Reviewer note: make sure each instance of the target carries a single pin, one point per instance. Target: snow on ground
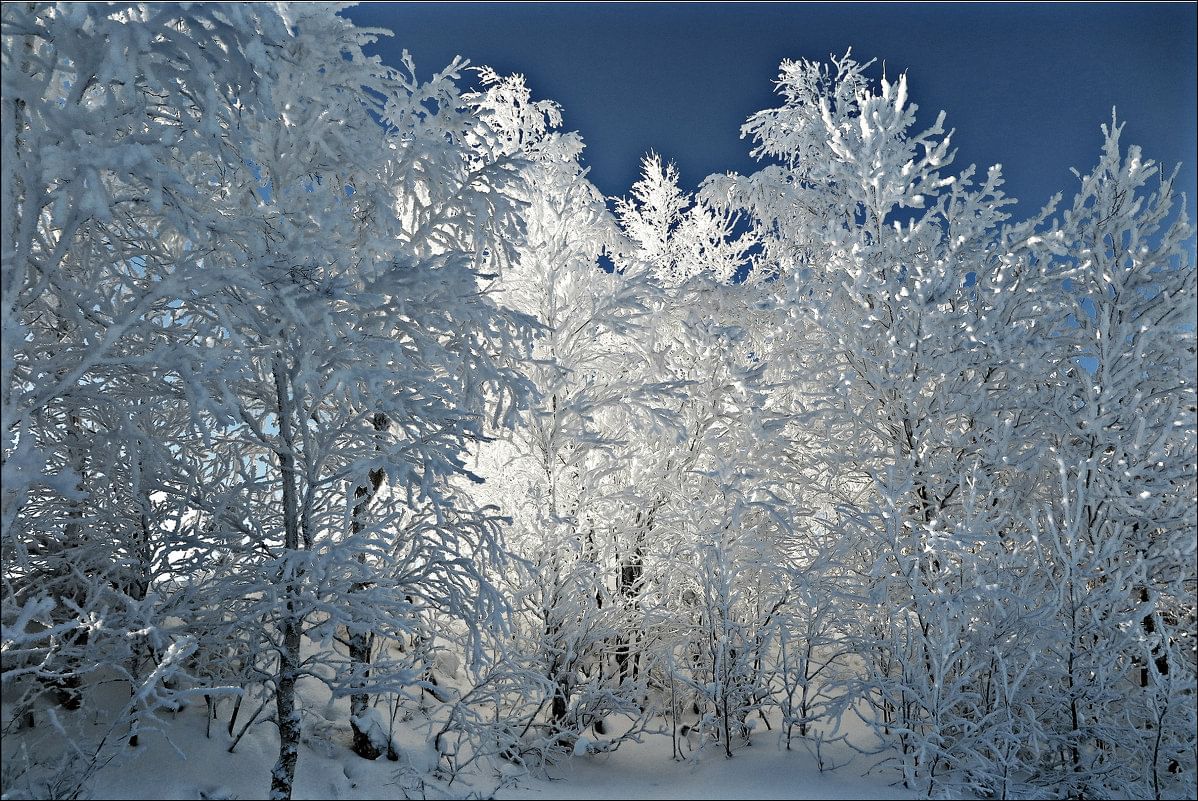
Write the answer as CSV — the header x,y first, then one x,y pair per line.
x,y
202,768
648,771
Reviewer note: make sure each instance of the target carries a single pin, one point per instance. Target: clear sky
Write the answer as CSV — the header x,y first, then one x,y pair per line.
x,y
1025,85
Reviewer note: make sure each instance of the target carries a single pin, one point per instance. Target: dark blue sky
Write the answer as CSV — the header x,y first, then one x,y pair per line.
x,y
1024,85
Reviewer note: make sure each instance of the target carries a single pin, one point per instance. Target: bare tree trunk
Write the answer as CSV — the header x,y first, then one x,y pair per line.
x,y
283,775
631,581
361,643
360,646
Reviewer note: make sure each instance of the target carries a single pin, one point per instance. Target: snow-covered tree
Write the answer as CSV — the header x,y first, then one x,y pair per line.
x,y
1121,527
552,472
117,121
318,380
937,346
305,281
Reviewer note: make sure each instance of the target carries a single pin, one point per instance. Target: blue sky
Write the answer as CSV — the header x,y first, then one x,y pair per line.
x,y
1025,85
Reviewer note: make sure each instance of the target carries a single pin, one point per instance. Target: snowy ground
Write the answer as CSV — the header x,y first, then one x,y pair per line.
x,y
647,771
328,769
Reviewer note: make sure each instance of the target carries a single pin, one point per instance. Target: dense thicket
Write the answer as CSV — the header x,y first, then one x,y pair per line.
x,y
315,374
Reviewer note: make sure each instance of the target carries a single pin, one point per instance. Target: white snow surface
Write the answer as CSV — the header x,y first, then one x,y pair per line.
x,y
192,766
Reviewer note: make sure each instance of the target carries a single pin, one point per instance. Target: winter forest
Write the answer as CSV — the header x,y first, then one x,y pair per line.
x,y
350,432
